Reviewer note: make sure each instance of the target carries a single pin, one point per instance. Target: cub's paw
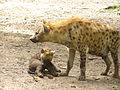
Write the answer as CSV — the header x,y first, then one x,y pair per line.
x,y
103,74
49,76
30,72
40,75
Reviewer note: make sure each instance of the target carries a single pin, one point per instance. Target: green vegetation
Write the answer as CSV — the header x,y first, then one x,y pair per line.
x,y
113,7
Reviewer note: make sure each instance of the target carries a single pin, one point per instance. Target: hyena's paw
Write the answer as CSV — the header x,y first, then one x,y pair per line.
x,y
116,76
49,76
103,74
63,74
81,78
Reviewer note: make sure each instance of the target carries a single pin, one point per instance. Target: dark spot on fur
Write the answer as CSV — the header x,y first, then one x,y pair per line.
x,y
103,33
94,33
80,23
59,27
91,39
114,32
82,66
88,23
110,36
70,33
98,24
87,28
70,29
77,26
74,27
107,30
78,42
102,43
90,28
107,38
73,37
95,45
87,34
117,38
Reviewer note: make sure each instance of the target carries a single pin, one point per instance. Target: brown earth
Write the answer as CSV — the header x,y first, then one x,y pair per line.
x,y
18,19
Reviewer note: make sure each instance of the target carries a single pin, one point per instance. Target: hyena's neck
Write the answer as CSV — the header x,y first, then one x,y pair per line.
x,y
58,36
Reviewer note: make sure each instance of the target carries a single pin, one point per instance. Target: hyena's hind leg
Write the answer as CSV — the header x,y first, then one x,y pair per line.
x,y
116,64
114,46
114,53
108,64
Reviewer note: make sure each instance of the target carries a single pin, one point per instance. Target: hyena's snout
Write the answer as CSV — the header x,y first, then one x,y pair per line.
x,y
33,39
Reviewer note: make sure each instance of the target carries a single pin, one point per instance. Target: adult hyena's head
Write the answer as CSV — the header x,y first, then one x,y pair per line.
x,y
41,34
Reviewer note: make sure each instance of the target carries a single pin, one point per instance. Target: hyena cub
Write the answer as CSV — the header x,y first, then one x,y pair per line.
x,y
41,62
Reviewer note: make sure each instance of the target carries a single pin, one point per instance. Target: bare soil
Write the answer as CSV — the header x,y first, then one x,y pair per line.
x,y
18,19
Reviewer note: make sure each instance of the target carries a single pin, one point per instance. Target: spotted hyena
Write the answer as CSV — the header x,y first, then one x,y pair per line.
x,y
41,61
82,36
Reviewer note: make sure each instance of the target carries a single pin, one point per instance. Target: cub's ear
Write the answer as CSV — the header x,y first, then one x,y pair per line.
x,y
42,50
46,29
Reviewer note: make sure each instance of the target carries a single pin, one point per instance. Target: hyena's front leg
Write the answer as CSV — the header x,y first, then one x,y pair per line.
x,y
108,64
82,66
69,63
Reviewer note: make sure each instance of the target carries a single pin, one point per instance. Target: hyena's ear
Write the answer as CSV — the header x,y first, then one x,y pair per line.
x,y
43,21
46,29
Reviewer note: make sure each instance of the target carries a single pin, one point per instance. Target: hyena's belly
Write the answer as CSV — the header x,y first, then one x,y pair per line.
x,y
99,50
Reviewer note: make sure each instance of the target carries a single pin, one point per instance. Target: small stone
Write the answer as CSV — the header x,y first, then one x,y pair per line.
x,y
97,78
92,58
118,13
72,86
114,86
28,51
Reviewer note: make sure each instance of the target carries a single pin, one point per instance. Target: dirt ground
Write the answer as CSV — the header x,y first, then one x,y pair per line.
x,y
18,19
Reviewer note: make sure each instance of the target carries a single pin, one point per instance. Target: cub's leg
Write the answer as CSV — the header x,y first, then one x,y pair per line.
x,y
39,71
51,68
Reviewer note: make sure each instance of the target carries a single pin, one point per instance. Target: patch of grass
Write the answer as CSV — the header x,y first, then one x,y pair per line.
x,y
1,2
113,7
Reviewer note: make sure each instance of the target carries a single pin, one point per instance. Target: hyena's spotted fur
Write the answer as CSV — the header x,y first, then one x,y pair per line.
x,y
82,36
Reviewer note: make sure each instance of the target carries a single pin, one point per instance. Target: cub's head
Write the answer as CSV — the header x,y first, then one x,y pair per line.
x,y
47,53
41,33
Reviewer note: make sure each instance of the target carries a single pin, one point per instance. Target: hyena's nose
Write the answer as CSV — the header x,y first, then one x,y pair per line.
x,y
33,39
